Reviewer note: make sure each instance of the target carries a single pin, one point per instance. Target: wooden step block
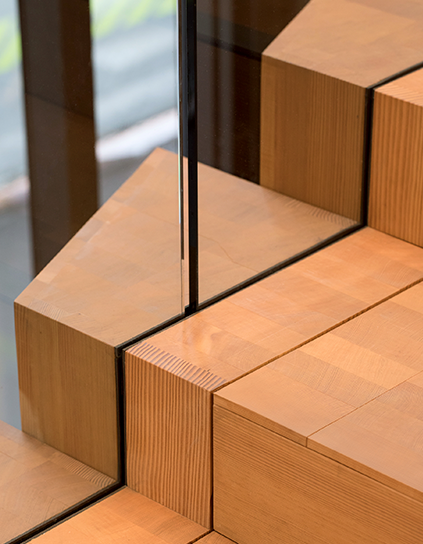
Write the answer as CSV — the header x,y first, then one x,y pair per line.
x,y
382,439
107,285
170,377
313,95
396,183
125,516
355,397
38,482
269,489
121,275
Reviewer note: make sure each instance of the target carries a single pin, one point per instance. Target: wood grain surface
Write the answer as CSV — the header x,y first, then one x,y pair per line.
x,y
335,375
396,182
383,437
128,517
168,432
245,229
312,136
170,376
120,275
270,489
314,76
67,386
38,482
355,396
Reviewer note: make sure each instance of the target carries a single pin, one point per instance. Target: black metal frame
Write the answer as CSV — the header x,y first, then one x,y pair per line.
x,y
189,139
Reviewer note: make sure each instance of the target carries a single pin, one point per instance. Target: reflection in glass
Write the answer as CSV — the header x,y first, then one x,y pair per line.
x,y
245,227
113,279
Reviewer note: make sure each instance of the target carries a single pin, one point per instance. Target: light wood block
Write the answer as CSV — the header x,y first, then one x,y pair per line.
x,y
270,489
38,482
170,377
336,374
116,278
355,396
396,183
382,439
128,517
314,80
121,275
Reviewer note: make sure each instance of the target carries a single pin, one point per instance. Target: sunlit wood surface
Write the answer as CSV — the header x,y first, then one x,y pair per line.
x,y
121,275
314,80
38,482
170,377
396,183
355,397
125,517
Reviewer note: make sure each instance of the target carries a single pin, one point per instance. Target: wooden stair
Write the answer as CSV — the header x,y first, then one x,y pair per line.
x,y
316,77
289,412
285,455
170,377
325,443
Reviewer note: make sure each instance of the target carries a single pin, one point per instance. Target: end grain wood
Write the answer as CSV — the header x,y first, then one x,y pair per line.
x,y
396,182
170,376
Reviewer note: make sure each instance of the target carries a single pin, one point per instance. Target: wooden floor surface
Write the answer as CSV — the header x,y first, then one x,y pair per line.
x,y
37,482
170,376
125,517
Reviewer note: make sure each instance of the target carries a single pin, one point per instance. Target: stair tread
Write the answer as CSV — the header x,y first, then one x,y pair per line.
x,y
125,516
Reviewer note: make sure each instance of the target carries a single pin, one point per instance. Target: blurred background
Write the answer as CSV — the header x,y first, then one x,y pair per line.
x,y
135,80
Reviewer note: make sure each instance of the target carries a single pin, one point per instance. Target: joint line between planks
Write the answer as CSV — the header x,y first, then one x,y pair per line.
x,y
322,455
326,331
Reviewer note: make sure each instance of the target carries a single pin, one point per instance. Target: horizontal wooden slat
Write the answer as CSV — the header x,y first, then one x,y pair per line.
x,y
323,381
383,437
125,516
269,489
